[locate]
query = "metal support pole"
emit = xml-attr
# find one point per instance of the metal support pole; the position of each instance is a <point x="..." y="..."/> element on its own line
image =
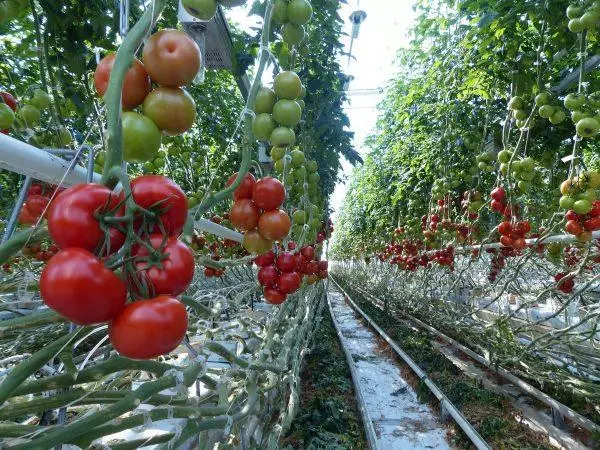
<point x="123" y="17"/>
<point x="12" y="222"/>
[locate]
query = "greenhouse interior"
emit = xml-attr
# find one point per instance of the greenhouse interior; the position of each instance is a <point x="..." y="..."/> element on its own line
<point x="299" y="224"/>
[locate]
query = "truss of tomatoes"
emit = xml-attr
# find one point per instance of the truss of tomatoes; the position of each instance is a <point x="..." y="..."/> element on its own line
<point x="95" y="278"/>
<point x="170" y="59"/>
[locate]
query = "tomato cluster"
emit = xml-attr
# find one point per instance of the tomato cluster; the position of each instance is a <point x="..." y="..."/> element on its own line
<point x="281" y="274"/>
<point x="37" y="202"/>
<point x="88" y="224"/>
<point x="513" y="234"/>
<point x="256" y="212"/>
<point x="170" y="59"/>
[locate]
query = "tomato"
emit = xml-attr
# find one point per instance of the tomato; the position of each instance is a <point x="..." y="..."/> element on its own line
<point x="282" y="137"/>
<point x="312" y="279"/>
<point x="72" y="218"/>
<point x="299" y="12"/>
<point x="573" y="227"/>
<point x="592" y="224"/>
<point x="522" y="228"/>
<point x="268" y="276"/>
<point x="149" y="328"/>
<point x="274" y="225"/>
<point x="76" y="284"/>
<point x="171" y="57"/>
<point x="519" y="244"/>
<point x="265" y="260"/>
<point x="141" y="138"/>
<point x="172" y="272"/>
<point x="262" y="126"/>
<point x="280" y="11"/>
<point x="287" y="262"/>
<point x="268" y="193"/>
<point x="292" y="34"/>
<point x="287" y="113"/>
<point x="289" y="282"/>
<point x="173" y="110"/>
<point x="320" y="237"/>
<point x="35" y="189"/>
<point x="273" y="296"/>
<point x="201" y="9"/>
<point x="287" y="85"/>
<point x="30" y="115"/>
<point x="506" y="241"/>
<point x="135" y="86"/>
<point x="164" y="197"/>
<point x="571" y="215"/>
<point x="244" y="215"/>
<point x="9" y="100"/>
<point x="37" y="204"/>
<point x="265" y="100"/>
<point x="7" y="116"/>
<point x="244" y="190"/>
<point x="209" y="272"/>
<point x="255" y="243"/>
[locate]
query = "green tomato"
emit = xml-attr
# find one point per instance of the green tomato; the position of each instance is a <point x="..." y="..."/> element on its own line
<point x="283" y="137"/>
<point x="300" y="217"/>
<point x="298" y="158"/>
<point x="265" y="100"/>
<point x="590" y="19"/>
<point x="292" y="34"/>
<point x="577" y="115"/>
<point x="520" y="114"/>
<point x="574" y="101"/>
<point x="13" y="9"/>
<point x="277" y="153"/>
<point x="159" y="163"/>
<point x="527" y="164"/>
<point x="141" y="137"/>
<point x="7" y="116"/>
<point x="542" y="99"/>
<point x="279" y="166"/>
<point x="65" y="135"/>
<point x="30" y="115"/>
<point x="299" y="12"/>
<point x="149" y="167"/>
<point x="312" y="166"/>
<point x="504" y="156"/>
<point x="546" y="111"/>
<point x="575" y="26"/>
<point x="558" y="117"/>
<point x="582" y="206"/>
<point x="40" y="99"/>
<point x="262" y="126"/>
<point x="588" y="127"/>
<point x="589" y="195"/>
<point x="482" y="165"/>
<point x="574" y="11"/>
<point x="280" y="11"/>
<point x="201" y="9"/>
<point x="300" y="173"/>
<point x="314" y="178"/>
<point x="287" y="85"/>
<point x="287" y="113"/>
<point x="524" y="186"/>
<point x="516" y="103"/>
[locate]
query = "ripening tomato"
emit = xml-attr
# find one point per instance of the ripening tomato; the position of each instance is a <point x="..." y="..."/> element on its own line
<point x="172" y="272"/>
<point x="73" y="218"/>
<point x="244" y="190"/>
<point x="141" y="137"/>
<point x="76" y="284"/>
<point x="171" y="57"/>
<point x="274" y="225"/>
<point x="268" y="276"/>
<point x="255" y="243"/>
<point x="289" y="282"/>
<point x="244" y="215"/>
<point x="136" y="85"/>
<point x="164" y="197"/>
<point x="149" y="328"/>
<point x="274" y="297"/>
<point x="173" y="110"/>
<point x="268" y="193"/>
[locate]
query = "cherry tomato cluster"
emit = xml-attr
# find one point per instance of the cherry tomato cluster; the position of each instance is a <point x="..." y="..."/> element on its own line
<point x="40" y="252"/>
<point x="582" y="225"/>
<point x="86" y="224"/>
<point x="513" y="234"/>
<point x="281" y="274"/>
<point x="256" y="212"/>
<point x="171" y="59"/>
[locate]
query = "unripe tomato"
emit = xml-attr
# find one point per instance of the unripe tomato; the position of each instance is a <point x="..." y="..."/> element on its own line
<point x="299" y="12"/>
<point x="280" y="11"/>
<point x="136" y="85"/>
<point x="201" y="9"/>
<point x="293" y="34"/>
<point x="256" y="244"/>
<point x="30" y="115"/>
<point x="265" y="101"/>
<point x="173" y="110"/>
<point x="141" y="138"/>
<point x="283" y="137"/>
<point x="171" y="58"/>
<point x="287" y="85"/>
<point x="274" y="225"/>
<point x="77" y="285"/>
<point x="287" y="113"/>
<point x="262" y="126"/>
<point x="7" y="116"/>
<point x="149" y="328"/>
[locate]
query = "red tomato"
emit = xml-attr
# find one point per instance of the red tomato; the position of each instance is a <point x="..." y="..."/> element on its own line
<point x="9" y="100"/>
<point x="573" y="227"/>
<point x="289" y="282"/>
<point x="173" y="273"/>
<point x="592" y="224"/>
<point x="268" y="193"/>
<point x="274" y="225"/>
<point x="72" y="218"/>
<point x="209" y="272"/>
<point x="498" y="194"/>
<point x="571" y="215"/>
<point x="26" y="217"/>
<point x="522" y="227"/>
<point x="244" y="190"/>
<point x="244" y="215"/>
<point x="287" y="262"/>
<point x="265" y="260"/>
<point x="519" y="244"/>
<point x="505" y="228"/>
<point x="274" y="297"/>
<point x="164" y="197"/>
<point x="35" y="189"/>
<point x="171" y="57"/>
<point x="506" y="241"/>
<point x="76" y="285"/>
<point x="268" y="276"/>
<point x="136" y="85"/>
<point x="308" y="252"/>
<point x="149" y="328"/>
<point x="320" y="237"/>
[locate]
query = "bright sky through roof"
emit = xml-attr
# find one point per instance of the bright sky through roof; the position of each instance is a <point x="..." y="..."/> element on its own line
<point x="384" y="31"/>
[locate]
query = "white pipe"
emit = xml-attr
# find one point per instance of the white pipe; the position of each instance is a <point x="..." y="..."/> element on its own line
<point x="20" y="157"/>
<point x="561" y="238"/>
<point x="218" y="230"/>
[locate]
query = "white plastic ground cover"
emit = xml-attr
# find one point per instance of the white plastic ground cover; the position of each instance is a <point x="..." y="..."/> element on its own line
<point x="400" y="420"/>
